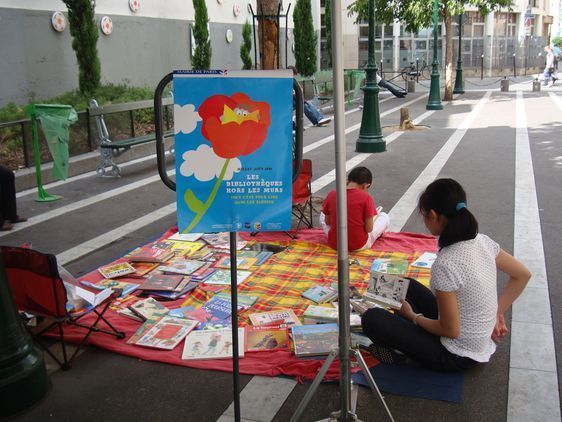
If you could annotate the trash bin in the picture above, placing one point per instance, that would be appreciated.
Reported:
(536, 85)
(504, 85)
(411, 86)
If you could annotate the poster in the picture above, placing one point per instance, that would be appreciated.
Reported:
(233, 144)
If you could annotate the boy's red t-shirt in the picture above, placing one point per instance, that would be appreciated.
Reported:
(360, 205)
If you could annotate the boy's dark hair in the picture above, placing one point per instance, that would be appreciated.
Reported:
(360, 175)
(442, 196)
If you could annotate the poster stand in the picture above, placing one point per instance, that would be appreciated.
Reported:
(161, 163)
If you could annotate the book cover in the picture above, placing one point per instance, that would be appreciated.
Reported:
(387, 290)
(186, 237)
(390, 266)
(281, 316)
(320, 294)
(222, 241)
(180, 312)
(185, 248)
(260, 256)
(266, 338)
(191, 285)
(142, 268)
(202, 254)
(167, 333)
(116, 270)
(181, 266)
(220, 308)
(125, 287)
(425, 260)
(212, 344)
(322, 313)
(203, 273)
(165, 282)
(314, 340)
(148, 309)
(150, 254)
(243, 300)
(223, 277)
(241, 263)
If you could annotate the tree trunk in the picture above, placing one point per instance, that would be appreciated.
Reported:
(405, 121)
(268, 33)
(448, 57)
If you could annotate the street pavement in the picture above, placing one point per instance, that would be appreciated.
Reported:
(505, 148)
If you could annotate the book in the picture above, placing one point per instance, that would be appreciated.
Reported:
(241, 263)
(165, 282)
(314, 340)
(260, 256)
(266, 338)
(125, 287)
(281, 316)
(202, 254)
(212, 344)
(222, 241)
(387, 290)
(191, 285)
(320, 294)
(322, 315)
(390, 266)
(223, 277)
(180, 312)
(167, 333)
(181, 266)
(243, 300)
(201, 274)
(150, 254)
(185, 248)
(148, 309)
(92, 295)
(116, 270)
(186, 237)
(143, 268)
(425, 260)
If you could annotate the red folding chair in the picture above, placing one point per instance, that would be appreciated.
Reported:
(38, 289)
(302, 197)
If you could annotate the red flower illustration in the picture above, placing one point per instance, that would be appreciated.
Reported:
(234, 125)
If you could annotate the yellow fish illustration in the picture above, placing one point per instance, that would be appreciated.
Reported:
(238, 115)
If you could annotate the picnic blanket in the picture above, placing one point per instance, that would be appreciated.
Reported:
(278, 283)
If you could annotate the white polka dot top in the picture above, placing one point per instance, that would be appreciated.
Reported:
(469, 268)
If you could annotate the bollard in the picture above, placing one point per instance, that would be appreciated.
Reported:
(482, 67)
(504, 85)
(536, 85)
(411, 86)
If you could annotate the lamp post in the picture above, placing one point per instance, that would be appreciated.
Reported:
(370, 135)
(434, 101)
(459, 83)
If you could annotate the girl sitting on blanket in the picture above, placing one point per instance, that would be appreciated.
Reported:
(459, 321)
(365, 223)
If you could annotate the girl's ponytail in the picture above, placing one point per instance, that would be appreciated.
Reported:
(448, 198)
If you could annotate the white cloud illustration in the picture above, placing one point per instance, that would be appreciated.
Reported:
(185, 118)
(205, 165)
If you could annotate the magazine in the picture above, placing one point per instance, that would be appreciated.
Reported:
(167, 333)
(212, 344)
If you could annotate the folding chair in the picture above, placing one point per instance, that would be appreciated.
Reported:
(302, 197)
(38, 289)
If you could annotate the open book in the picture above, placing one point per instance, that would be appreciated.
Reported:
(387, 290)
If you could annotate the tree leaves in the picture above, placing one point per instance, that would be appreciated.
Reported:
(192, 202)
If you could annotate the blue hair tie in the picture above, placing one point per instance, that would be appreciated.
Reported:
(460, 206)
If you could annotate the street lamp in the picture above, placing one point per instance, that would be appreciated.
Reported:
(459, 83)
(434, 101)
(370, 135)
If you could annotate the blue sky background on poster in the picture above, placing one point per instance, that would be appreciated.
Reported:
(255, 189)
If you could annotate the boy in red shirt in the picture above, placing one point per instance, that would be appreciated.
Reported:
(365, 223)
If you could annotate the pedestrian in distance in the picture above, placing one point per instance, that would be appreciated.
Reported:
(549, 73)
(8, 208)
(310, 110)
(365, 222)
(458, 321)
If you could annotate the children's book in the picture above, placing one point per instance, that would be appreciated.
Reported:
(165, 282)
(314, 340)
(315, 314)
(142, 268)
(180, 312)
(150, 254)
(266, 338)
(223, 277)
(116, 270)
(222, 241)
(425, 260)
(181, 266)
(320, 294)
(167, 333)
(390, 266)
(191, 285)
(244, 301)
(185, 248)
(202, 254)
(186, 237)
(241, 263)
(281, 316)
(201, 274)
(148, 309)
(92, 295)
(125, 287)
(260, 256)
(219, 308)
(387, 290)
(212, 344)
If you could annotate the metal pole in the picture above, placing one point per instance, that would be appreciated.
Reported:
(459, 83)
(417, 70)
(481, 66)
(434, 101)
(234, 303)
(514, 67)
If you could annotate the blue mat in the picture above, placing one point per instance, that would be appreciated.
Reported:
(415, 381)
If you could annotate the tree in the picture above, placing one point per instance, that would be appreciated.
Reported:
(84, 32)
(418, 14)
(202, 55)
(246, 46)
(268, 31)
(328, 25)
(305, 38)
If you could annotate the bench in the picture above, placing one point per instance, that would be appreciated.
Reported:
(110, 148)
